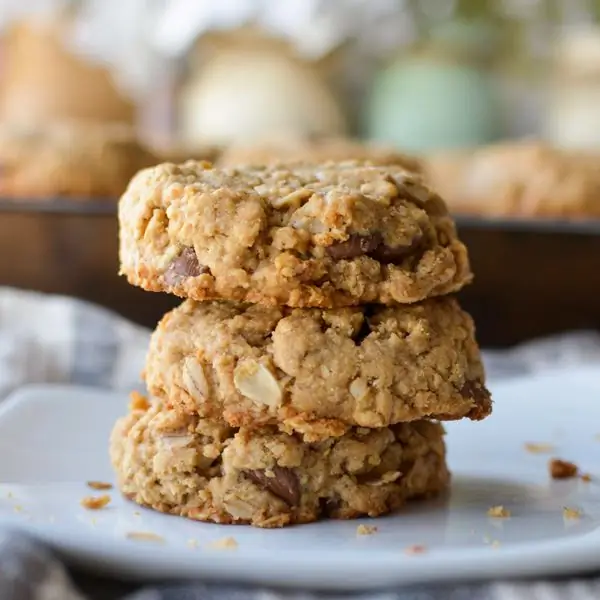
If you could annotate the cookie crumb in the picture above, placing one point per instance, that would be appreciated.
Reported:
(562, 469)
(137, 513)
(227, 543)
(535, 448)
(586, 477)
(415, 549)
(138, 402)
(145, 536)
(95, 502)
(18, 508)
(498, 512)
(192, 543)
(571, 513)
(99, 485)
(366, 530)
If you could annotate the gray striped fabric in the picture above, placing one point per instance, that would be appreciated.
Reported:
(61, 340)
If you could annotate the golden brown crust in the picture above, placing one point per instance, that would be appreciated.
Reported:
(318, 372)
(518, 180)
(205, 471)
(329, 235)
(70, 159)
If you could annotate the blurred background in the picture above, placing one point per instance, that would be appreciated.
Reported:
(497, 100)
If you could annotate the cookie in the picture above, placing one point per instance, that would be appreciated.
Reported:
(316, 151)
(70, 159)
(203, 470)
(518, 180)
(329, 235)
(318, 372)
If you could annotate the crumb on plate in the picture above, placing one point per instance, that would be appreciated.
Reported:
(366, 530)
(145, 536)
(498, 512)
(562, 469)
(192, 543)
(586, 477)
(416, 549)
(99, 485)
(95, 502)
(536, 448)
(227, 543)
(571, 513)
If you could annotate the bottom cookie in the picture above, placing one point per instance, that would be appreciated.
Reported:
(204, 470)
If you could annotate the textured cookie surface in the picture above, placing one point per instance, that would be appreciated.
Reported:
(316, 152)
(70, 159)
(331, 235)
(203, 470)
(526, 180)
(319, 371)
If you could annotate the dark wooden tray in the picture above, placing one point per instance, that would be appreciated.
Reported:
(533, 278)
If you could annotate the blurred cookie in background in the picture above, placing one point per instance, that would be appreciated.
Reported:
(315, 150)
(178, 154)
(518, 179)
(70, 159)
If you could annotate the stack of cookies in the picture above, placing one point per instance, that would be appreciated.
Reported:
(318, 347)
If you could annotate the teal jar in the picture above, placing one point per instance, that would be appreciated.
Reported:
(440, 98)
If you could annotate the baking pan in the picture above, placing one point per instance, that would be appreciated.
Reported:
(70, 247)
(532, 277)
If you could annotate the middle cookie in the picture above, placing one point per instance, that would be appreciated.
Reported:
(319, 372)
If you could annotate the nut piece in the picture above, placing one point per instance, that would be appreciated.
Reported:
(359, 388)
(194, 379)
(256, 382)
(95, 502)
(562, 469)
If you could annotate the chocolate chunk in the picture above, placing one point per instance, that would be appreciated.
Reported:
(184, 266)
(356, 245)
(372, 245)
(476, 391)
(394, 255)
(283, 483)
(330, 506)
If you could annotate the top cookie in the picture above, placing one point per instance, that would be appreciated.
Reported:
(70, 159)
(328, 235)
(291, 151)
(522, 180)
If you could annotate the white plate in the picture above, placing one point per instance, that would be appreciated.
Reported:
(54, 439)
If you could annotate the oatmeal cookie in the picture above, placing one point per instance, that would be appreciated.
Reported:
(518, 180)
(318, 372)
(201, 469)
(316, 151)
(70, 159)
(331, 235)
